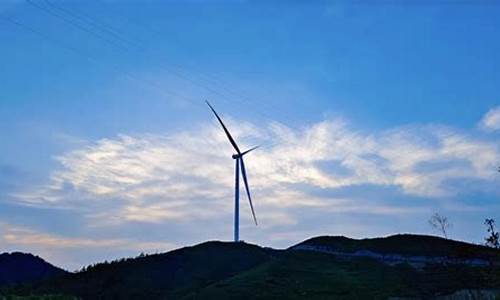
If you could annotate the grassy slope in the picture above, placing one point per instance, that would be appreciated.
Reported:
(299, 274)
(158, 276)
(311, 275)
(407, 244)
(217, 270)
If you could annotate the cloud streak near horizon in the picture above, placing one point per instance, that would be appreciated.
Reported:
(326, 168)
(417, 159)
(189, 175)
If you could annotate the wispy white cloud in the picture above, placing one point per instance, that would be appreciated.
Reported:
(189, 175)
(491, 120)
(314, 180)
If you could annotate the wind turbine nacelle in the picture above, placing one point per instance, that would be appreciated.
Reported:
(236, 156)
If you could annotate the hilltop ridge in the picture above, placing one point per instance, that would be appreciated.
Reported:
(405, 244)
(18, 267)
(219, 270)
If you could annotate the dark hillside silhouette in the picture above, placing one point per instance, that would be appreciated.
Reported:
(318, 268)
(20, 267)
(155, 276)
(407, 244)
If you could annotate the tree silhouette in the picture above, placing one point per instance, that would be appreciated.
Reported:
(493, 240)
(440, 223)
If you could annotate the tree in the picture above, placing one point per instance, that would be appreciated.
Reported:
(440, 223)
(493, 240)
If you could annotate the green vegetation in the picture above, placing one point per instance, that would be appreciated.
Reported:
(155, 276)
(408, 244)
(218, 270)
(303, 274)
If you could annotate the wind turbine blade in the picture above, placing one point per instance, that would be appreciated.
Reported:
(244, 174)
(231, 140)
(249, 150)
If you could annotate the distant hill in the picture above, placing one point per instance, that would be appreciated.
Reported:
(343, 268)
(156, 276)
(406, 244)
(318, 268)
(20, 267)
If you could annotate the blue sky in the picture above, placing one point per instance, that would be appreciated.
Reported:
(371, 116)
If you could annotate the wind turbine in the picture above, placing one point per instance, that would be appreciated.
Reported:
(238, 157)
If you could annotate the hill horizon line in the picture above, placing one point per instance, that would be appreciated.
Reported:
(395, 265)
(228, 242)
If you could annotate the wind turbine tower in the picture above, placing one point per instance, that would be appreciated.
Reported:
(239, 167)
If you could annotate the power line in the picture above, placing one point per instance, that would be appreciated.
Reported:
(120, 47)
(178, 73)
(114, 67)
(89, 58)
(93, 23)
(106, 31)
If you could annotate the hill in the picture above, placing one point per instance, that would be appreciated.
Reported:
(326, 268)
(20, 267)
(405, 244)
(157, 276)
(318, 268)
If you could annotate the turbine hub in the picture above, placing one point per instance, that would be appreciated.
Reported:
(235, 156)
